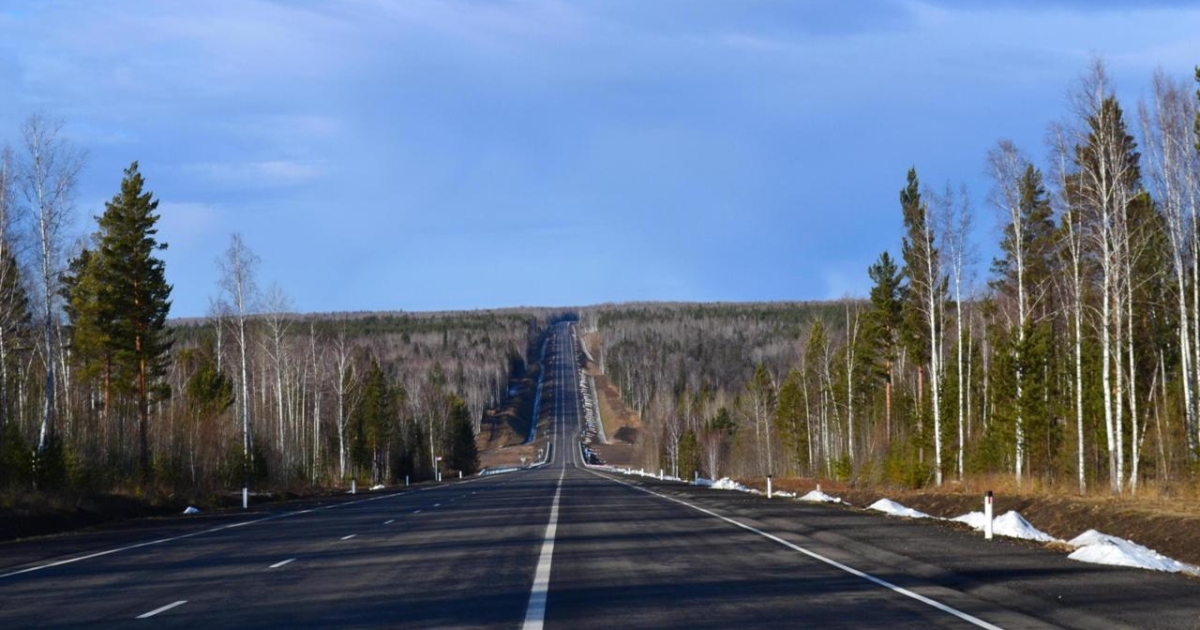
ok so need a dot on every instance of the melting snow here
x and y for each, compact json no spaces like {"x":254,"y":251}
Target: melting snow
{"x":1093,"y":546}
{"x":888,"y":506}
{"x":725,"y":483}
{"x":816,"y":496}
{"x":1010,"y":524}
{"x":377,"y":487}
{"x":191,"y":510}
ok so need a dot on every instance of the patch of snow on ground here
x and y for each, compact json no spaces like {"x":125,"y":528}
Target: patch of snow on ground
{"x":377,"y":487}
{"x":785,"y":494}
{"x":888,"y":506}
{"x":974,"y":520}
{"x":1010,"y":524}
{"x":702,"y":482}
{"x":725,"y":483}
{"x":645,"y":473}
{"x":191,"y":510}
{"x":816,"y":496}
{"x":1093,"y":546}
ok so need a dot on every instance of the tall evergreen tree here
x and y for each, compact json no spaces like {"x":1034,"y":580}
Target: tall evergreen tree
{"x":884,"y":322}
{"x":461,"y":452}
{"x":928,"y":288}
{"x":135,"y":290}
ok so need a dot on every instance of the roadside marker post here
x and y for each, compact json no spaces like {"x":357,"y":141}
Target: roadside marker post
{"x":353,"y":486}
{"x":770,"y":490}
{"x":987,"y":516}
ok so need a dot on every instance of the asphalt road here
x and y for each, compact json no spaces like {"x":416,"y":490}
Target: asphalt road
{"x":566,"y":546}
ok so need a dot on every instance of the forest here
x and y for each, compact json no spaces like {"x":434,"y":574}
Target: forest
{"x":1071,"y":365}
{"x":101,"y":392}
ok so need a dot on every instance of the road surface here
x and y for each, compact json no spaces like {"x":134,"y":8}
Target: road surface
{"x":564,"y":546}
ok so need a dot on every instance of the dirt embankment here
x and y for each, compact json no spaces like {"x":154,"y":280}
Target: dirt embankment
{"x":1171,"y":527}
{"x":622,"y":424}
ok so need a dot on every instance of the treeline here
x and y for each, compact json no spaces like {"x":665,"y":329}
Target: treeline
{"x":99,"y":391}
{"x":1074,"y":364}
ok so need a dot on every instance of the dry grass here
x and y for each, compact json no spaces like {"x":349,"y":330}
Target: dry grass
{"x":1157,"y":517}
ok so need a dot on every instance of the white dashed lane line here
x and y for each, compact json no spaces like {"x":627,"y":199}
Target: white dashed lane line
{"x":349,"y":537}
{"x":162,"y":609}
{"x":281,"y":563}
{"x":389,"y":522}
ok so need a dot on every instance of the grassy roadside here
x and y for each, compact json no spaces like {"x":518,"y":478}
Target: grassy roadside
{"x":1170,"y":526}
{"x":28,"y":514}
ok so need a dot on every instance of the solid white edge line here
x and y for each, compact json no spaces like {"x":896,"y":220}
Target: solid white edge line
{"x":535,"y":612}
{"x":163,"y":609}
{"x":281,"y":563}
{"x":816,"y":556}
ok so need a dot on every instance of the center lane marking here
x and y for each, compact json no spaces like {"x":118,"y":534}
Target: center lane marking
{"x":535,"y":613}
{"x":349,"y":537}
{"x":163,"y":609}
{"x":281,"y":563}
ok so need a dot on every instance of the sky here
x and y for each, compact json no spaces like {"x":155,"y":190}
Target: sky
{"x":444,"y":155}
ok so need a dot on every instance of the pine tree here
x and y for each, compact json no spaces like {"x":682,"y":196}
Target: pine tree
{"x":134,"y":291}
{"x":924,"y":315}
{"x":791,"y":421}
{"x":374,"y":421}
{"x":884,"y":321}
{"x":462,"y":452}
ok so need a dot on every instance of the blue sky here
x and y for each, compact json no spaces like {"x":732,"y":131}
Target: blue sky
{"x":432,"y":155}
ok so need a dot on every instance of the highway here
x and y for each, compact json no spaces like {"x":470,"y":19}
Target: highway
{"x":565,"y":546}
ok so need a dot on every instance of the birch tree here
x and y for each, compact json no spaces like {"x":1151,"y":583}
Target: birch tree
{"x":1018,"y":194}
{"x":1169,"y":144}
{"x":955,"y":217}
{"x":238,"y":270}
{"x":47,"y":179}
{"x":1071,"y":252}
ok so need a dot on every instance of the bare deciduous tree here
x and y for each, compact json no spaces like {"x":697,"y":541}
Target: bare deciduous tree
{"x":47,"y":184}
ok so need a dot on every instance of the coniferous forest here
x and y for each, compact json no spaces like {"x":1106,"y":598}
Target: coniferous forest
{"x":1071,"y":362}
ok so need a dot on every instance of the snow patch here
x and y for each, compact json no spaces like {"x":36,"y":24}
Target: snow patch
{"x":725,"y":483}
{"x":1010,"y":524}
{"x":1095,"y":547}
{"x":191,"y":510}
{"x":377,"y":487}
{"x":816,"y":496}
{"x":974,"y":520}
{"x":785,"y":494}
{"x":888,"y":506}
{"x":702,"y":482}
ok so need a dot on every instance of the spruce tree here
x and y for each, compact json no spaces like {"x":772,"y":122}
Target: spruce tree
{"x":883,"y":326}
{"x":134,"y":291}
{"x":462,"y":452}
